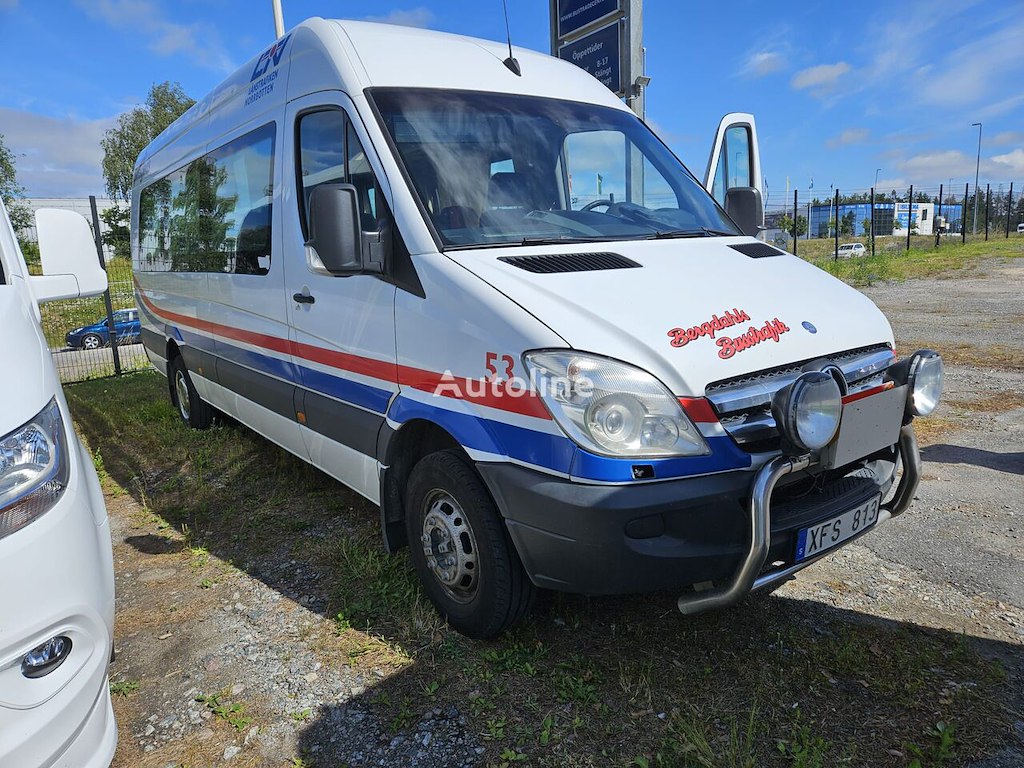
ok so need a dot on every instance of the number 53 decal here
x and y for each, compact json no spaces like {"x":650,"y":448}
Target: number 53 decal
{"x":507,"y":362}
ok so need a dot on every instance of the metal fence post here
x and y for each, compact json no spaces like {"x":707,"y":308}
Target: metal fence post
{"x":872,"y":221}
{"x":988,"y":202}
{"x":795,"y":211}
{"x":963,"y":214}
{"x":112,"y":331}
{"x":1009,"y":209}
{"x":910,"y":214}
{"x":837,"y":224}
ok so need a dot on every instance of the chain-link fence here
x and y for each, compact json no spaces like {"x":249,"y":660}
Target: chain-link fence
{"x":90,"y":338}
{"x":847,"y":223}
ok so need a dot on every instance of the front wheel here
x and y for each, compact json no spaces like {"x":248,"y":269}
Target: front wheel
{"x":92,"y":341}
{"x":463,"y":555}
{"x":192,"y":409}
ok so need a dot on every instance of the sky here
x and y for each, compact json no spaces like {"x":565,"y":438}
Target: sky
{"x":839,"y":90}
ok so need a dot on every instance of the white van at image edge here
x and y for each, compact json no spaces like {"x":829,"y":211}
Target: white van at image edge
{"x":56,"y":562}
{"x":485,"y":296}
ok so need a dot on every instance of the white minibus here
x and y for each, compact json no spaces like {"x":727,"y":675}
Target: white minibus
{"x":484,"y":295}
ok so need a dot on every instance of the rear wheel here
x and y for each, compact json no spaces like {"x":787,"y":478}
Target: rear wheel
{"x":192,"y":409}
{"x":460,"y":547}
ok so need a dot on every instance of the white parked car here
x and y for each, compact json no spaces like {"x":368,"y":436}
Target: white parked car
{"x":56,"y":566}
{"x":483,"y":294}
{"x":1020,"y":229}
{"x":851,"y":249}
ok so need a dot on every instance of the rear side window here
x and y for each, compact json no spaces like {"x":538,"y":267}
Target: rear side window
{"x":213,"y":215}
{"x":329,"y":152}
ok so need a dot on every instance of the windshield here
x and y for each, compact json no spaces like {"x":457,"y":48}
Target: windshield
{"x":499,"y":169}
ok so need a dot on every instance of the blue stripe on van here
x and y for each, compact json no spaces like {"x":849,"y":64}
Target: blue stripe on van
{"x":540,"y":449}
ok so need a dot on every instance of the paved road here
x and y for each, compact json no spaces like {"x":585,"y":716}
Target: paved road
{"x":965,"y":526}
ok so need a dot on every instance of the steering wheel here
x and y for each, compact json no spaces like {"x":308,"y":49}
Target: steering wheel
{"x":607,"y":203}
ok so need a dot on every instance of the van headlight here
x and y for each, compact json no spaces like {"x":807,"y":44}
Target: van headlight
{"x":807,"y":412}
{"x":612,"y":408}
{"x":33,"y":469}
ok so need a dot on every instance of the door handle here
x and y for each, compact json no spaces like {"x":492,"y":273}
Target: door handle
{"x":304,"y":298}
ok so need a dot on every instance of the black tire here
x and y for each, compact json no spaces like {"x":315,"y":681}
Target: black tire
{"x":92,"y":341}
{"x":192,"y":409}
{"x":486,"y":590}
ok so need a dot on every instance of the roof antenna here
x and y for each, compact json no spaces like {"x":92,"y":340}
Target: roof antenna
{"x":510,"y":62}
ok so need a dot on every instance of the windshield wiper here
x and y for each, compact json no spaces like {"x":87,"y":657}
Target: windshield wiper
{"x":669,"y":234}
{"x":554,"y":240}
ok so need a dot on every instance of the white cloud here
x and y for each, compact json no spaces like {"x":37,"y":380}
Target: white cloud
{"x":1011,"y":164}
{"x":847,"y":137}
{"x":55,"y":157}
{"x":415,"y":17}
{"x":199,"y":41}
{"x":976,"y":70}
{"x":761,"y":63}
{"x":1007,"y":137}
{"x":896,"y":183}
{"x":820,"y":80}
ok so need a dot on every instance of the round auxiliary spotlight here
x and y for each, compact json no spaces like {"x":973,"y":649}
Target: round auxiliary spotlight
{"x":807,"y":411}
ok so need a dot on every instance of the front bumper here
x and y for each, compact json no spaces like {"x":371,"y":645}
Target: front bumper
{"x":623,"y":539}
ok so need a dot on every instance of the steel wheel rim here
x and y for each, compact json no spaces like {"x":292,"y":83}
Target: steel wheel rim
{"x":181,"y":391}
{"x":449,"y":546}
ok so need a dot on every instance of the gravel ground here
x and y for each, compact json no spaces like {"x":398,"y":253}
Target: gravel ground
{"x":243,"y":678}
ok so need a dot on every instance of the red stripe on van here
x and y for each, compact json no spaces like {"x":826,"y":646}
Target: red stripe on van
{"x":498,"y":396}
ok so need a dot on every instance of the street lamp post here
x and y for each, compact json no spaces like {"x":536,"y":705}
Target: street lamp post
{"x":876,"y":176}
{"x":977,"y":168}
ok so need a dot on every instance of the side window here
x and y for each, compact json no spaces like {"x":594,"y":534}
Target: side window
{"x":733,"y":163}
{"x":213,"y":215}
{"x":360,"y":175}
{"x":321,"y":155}
{"x":329,"y":152}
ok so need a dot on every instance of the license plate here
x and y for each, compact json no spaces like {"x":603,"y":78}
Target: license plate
{"x":830,"y":533}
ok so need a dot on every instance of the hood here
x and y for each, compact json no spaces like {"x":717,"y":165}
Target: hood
{"x":27,"y":387}
{"x":689,"y":311}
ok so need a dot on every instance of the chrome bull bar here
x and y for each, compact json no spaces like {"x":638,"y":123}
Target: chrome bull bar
{"x":748,"y":576}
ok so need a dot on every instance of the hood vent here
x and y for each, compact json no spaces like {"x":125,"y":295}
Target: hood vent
{"x":570,"y":262}
{"x":757,"y":250}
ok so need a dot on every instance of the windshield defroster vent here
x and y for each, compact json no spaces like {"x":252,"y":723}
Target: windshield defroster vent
{"x":757,"y":250}
{"x":570,"y":262}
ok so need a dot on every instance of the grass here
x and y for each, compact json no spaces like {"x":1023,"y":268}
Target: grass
{"x":585,"y":681}
{"x":893,"y":262}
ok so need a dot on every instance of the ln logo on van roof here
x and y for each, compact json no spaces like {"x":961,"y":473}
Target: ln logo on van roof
{"x":270,"y":58}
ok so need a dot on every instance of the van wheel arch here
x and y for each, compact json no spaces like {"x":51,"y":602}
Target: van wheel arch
{"x":402,"y":451}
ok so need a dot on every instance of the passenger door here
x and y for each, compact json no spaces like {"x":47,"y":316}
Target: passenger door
{"x":735,"y":159}
{"x":342,"y":328}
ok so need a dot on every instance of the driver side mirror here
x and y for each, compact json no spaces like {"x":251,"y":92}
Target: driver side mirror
{"x":744,"y":206}
{"x":335,"y":232}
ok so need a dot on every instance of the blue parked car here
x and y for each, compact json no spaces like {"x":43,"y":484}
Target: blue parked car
{"x":126,"y":330}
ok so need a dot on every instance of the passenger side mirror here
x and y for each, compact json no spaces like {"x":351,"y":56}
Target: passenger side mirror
{"x":71,"y":266}
{"x":744,"y":206}
{"x":335,"y":231}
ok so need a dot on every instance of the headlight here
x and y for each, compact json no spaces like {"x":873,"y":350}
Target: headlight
{"x":33,"y":469}
{"x":612,"y":408}
{"x":807,"y":411}
{"x":924,"y":379}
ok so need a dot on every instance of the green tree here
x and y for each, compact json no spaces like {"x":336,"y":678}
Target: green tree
{"x":134,"y":130}
{"x":846,"y":224}
{"x":198,"y":229}
{"x":786,"y":224}
{"x":11,"y":190}
{"x":118,"y":234}
{"x":866,"y":226}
